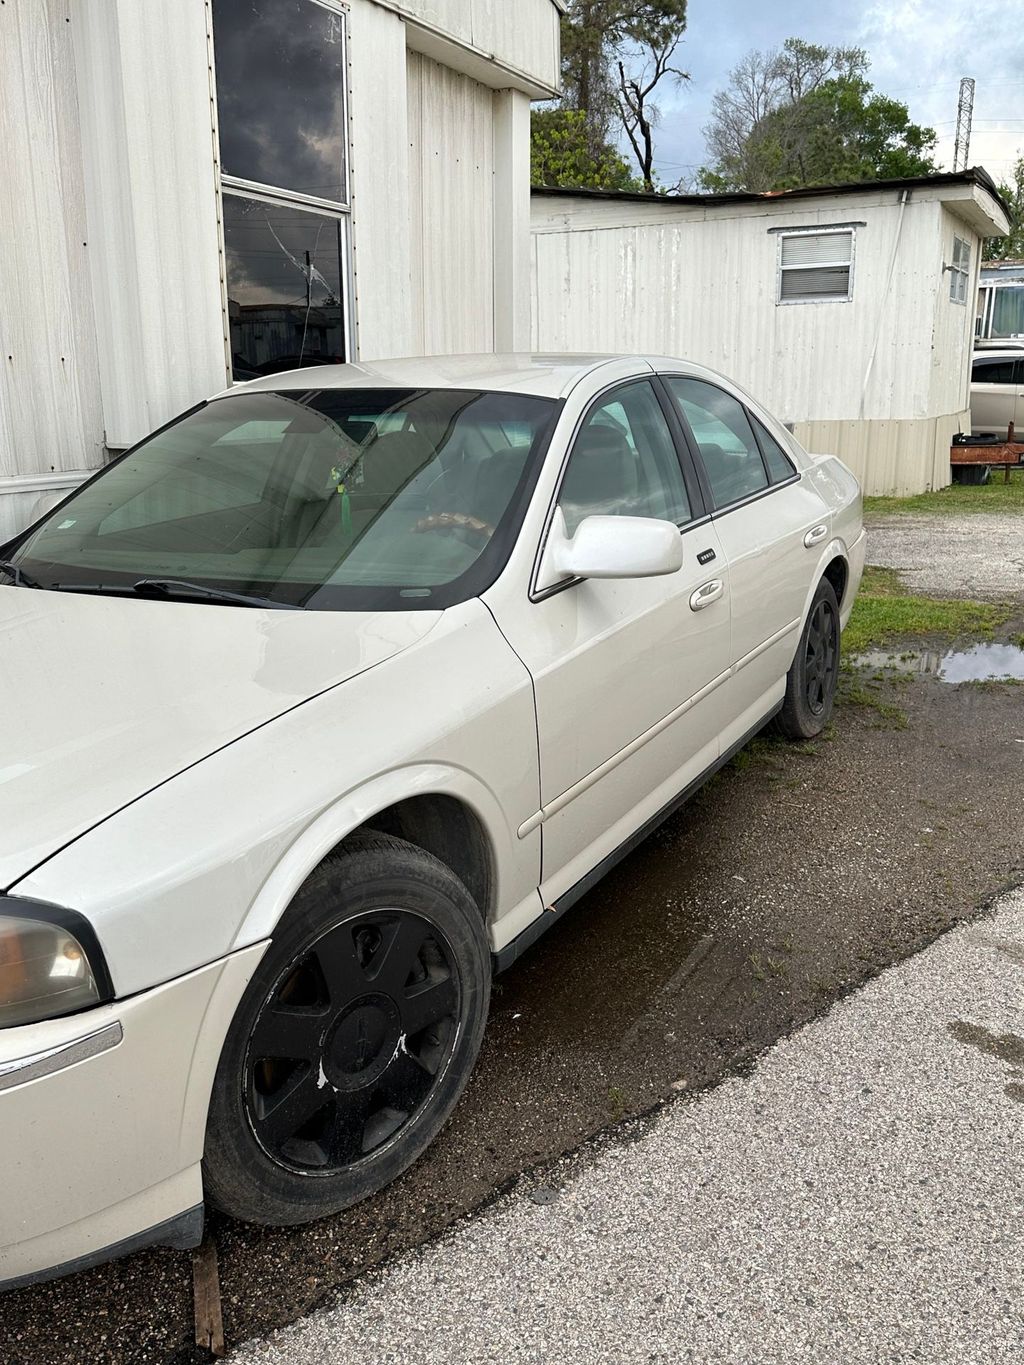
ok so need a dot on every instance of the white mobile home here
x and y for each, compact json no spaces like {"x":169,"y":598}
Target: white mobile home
{"x":848,"y":310}
{"x":207,"y":188}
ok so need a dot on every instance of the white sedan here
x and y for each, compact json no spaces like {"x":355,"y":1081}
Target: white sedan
{"x":320,"y":706}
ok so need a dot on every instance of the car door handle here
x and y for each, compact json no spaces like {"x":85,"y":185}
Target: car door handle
{"x":706,"y":594}
{"x":816,"y":534}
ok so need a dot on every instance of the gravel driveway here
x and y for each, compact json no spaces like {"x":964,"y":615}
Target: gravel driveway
{"x":943,"y":554}
{"x":857,"y":1199}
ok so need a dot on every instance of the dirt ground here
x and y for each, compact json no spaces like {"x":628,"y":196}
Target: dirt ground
{"x":792,"y":877}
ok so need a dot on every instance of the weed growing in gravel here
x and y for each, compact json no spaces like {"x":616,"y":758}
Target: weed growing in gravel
{"x":991,"y":684}
{"x":758,"y":751}
{"x":616,"y":1103}
{"x":853,"y":691}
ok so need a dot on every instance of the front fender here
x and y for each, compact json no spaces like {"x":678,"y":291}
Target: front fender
{"x":359,"y":806}
{"x":205,"y":863}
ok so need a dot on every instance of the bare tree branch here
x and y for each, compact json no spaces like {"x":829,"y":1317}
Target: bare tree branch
{"x":638,"y":113}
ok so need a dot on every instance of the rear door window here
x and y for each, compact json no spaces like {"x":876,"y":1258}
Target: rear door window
{"x":724,"y":437}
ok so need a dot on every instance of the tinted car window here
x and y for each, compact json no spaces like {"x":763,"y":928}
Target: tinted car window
{"x":331,"y":498}
{"x":995,"y":371}
{"x":778,"y":462}
{"x":724,"y":438}
{"x":624,"y":462}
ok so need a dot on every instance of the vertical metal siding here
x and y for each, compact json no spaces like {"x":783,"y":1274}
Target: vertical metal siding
{"x":953,"y":323}
{"x":522,"y":34}
{"x":49,"y":395}
{"x":451,"y":193}
{"x":701,"y":282}
{"x":151,"y":192}
{"x":379,"y":131}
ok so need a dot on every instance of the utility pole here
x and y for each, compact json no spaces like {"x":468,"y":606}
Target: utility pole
{"x":964,"y":111}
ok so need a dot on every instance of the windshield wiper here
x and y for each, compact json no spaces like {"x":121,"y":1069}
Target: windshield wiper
{"x":175,"y":590}
{"x":21,"y":578}
{"x":179,"y":588}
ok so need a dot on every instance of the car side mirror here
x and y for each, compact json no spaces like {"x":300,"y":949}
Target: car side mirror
{"x":611,"y":547}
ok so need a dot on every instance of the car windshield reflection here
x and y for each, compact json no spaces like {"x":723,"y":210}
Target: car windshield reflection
{"x":334,"y":498}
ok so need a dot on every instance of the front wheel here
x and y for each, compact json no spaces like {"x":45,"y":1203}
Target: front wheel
{"x":354,"y":1039}
{"x":811,"y":681}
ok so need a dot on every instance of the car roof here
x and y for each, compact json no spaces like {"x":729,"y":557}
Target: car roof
{"x":546,"y":376}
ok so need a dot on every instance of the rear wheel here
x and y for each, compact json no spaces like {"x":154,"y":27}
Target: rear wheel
{"x":811,"y":681}
{"x":354,"y":1039}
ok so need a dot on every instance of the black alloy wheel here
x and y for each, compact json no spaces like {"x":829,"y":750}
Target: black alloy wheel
{"x":811,"y":681}
{"x":821,"y":655}
{"x":354,"y":1038}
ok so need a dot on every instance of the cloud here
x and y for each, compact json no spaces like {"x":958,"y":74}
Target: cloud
{"x":918,"y":53}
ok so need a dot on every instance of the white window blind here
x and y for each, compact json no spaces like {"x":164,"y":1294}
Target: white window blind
{"x":814,"y":266}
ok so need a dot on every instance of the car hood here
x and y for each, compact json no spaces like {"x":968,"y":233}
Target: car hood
{"x":103,"y":698}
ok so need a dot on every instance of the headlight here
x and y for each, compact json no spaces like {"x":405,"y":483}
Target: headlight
{"x":50,"y":963}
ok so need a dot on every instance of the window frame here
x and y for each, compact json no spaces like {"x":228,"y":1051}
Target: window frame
{"x":692,"y":477}
{"x":826,"y":230}
{"x":242,"y":188}
{"x":756,"y":421}
{"x":750,"y":412}
{"x":960,"y":272}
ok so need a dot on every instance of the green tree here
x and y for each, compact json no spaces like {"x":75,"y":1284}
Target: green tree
{"x":563,"y":153}
{"x":808,"y":115}
{"x":1010,"y":247}
{"x":614,"y":55}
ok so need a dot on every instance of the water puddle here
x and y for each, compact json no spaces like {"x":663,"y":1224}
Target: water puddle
{"x":980,"y":663}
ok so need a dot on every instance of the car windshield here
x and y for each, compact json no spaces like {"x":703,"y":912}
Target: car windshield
{"x":330,"y":498}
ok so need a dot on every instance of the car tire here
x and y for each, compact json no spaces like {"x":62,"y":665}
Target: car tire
{"x":354,"y":1039}
{"x":811,"y":681}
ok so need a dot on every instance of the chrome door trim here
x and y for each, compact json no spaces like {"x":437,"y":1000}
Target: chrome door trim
{"x":20,"y":1070}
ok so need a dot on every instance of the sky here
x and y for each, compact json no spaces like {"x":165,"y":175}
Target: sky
{"x":919,"y":49}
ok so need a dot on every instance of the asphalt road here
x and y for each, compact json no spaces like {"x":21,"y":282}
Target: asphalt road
{"x":859,"y":1198}
{"x":793,"y":877}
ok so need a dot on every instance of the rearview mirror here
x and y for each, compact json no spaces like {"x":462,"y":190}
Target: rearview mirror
{"x":611,"y":547}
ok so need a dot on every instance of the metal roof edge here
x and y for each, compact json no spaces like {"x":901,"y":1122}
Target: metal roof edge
{"x":975,"y":175}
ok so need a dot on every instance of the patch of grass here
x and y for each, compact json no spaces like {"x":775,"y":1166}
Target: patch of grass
{"x":991,"y":684}
{"x":853,"y":692}
{"x":886,"y":614}
{"x":755,"y":753}
{"x":994,"y":496}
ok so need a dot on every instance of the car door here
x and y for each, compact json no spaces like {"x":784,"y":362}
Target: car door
{"x":772,"y":525}
{"x":995,"y":389}
{"x":626,"y":671}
